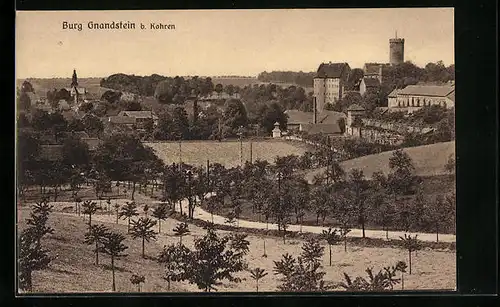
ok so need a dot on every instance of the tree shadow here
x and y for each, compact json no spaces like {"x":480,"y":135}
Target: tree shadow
{"x":107,"y":267}
{"x":62,"y":271}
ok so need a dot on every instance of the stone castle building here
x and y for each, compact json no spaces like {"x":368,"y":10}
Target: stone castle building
{"x":329,"y":83}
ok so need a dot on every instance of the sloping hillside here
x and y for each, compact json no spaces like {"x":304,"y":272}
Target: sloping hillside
{"x":429,"y":160}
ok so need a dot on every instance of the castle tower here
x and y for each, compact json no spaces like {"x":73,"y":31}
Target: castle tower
{"x":396,"y":50}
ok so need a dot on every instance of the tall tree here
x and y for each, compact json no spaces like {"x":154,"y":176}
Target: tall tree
{"x":173,"y":257}
{"x":114,"y":247}
{"x":96,"y":235}
{"x":303,"y":273}
{"x":181,"y":230}
{"x":89,"y":208}
{"x":402,"y":178}
{"x":257,"y":274}
{"x":143,"y":229}
{"x":161,"y":213}
{"x":235,"y":116}
{"x":411,"y":244}
{"x":213,"y":259}
{"x":332,"y":238}
{"x":31,"y":257}
{"x":359,"y":186}
{"x":128,"y":211}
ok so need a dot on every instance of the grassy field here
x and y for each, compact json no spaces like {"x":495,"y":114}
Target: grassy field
{"x":429,"y":160}
{"x":74,"y":271}
{"x":226,"y":153}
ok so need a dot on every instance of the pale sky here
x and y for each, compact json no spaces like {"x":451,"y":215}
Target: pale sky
{"x":227,"y":42}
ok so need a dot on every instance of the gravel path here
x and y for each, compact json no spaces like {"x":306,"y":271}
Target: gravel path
{"x":201,"y":214}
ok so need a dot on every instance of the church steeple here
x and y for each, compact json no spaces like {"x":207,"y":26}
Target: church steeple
{"x":74,"y":80}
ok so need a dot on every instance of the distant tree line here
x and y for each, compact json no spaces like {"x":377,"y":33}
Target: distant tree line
{"x":300,"y":78}
{"x":165,"y":89}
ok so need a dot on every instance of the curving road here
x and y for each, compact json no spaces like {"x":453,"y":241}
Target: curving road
{"x":201,"y":214}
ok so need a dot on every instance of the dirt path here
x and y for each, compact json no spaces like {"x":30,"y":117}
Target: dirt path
{"x":201,"y":214}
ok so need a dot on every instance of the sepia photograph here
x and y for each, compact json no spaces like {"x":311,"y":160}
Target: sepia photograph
{"x":257,"y":151}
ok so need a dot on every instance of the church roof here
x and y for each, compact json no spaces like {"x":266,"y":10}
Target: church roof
{"x":332,"y":70}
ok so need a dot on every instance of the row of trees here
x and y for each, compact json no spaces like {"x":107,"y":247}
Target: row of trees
{"x":348,"y":200}
{"x":270,"y":190}
{"x":165,"y":89}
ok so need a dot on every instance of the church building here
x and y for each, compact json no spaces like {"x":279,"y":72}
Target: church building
{"x":78,"y":94}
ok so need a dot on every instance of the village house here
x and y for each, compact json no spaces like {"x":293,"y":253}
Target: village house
{"x":368,"y":84}
{"x":140,"y":116}
{"x":414,"y":97}
{"x":325,"y":122}
{"x":219,"y":96}
{"x":329,"y":83}
{"x":354,"y":122}
{"x":126,"y":121}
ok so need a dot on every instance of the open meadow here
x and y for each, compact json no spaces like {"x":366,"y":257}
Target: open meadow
{"x":429,"y":160}
{"x":226,"y":153}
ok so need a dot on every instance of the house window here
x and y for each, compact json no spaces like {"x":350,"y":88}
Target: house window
{"x":444,"y":104}
{"x":399,"y":104}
